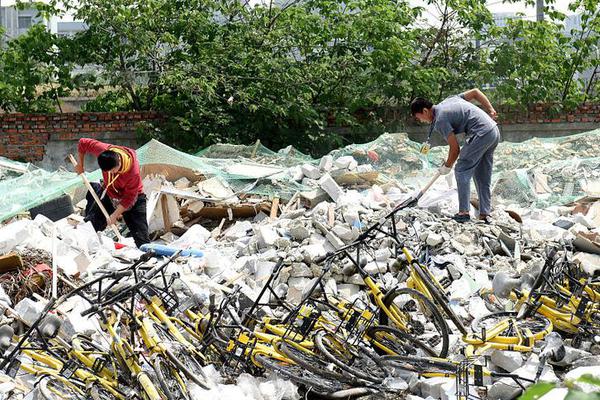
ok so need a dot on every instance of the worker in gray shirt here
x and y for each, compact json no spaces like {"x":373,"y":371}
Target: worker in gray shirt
{"x":456,"y":115}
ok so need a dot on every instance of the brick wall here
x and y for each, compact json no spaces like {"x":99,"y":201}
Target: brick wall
{"x":25,"y":136}
{"x":516,"y":124}
{"x":543,"y":114}
{"x":538,"y":114}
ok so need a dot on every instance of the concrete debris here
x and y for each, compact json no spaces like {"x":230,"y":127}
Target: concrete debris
{"x":242,"y":236}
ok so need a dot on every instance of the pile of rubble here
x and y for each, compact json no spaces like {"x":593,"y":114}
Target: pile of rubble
{"x":242,"y":234}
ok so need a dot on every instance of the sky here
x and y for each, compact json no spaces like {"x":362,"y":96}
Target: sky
{"x":495,"y":6}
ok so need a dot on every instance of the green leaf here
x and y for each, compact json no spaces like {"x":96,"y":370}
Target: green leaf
{"x":577,"y":395}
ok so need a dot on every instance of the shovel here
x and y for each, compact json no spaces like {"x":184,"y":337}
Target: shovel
{"x":412,"y":201}
{"x":96,"y":199}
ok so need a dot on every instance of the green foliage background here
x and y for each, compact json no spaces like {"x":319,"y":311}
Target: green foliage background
{"x":285,"y":71}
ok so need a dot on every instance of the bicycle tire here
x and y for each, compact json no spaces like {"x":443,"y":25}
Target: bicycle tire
{"x":439,"y":299}
{"x":388,"y":338}
{"x":299,"y":375}
{"x":421,"y":365}
{"x":348,"y":359}
{"x":311,"y":362}
{"x":52,"y":388}
{"x":99,"y":392}
{"x":168,"y":380}
{"x":182,"y":359}
{"x":537,"y":324}
{"x":427,"y":308}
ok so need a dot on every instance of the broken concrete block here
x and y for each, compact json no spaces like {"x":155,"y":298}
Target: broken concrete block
{"x":346,"y":162}
{"x":296,"y":173}
{"x":195,"y":206}
{"x":383,"y":254}
{"x":355,"y":279}
{"x":507,"y":388}
{"x":351,"y":217}
{"x":434,"y":239}
{"x":182,"y":183}
{"x":13,"y":234}
{"x":571,"y":355}
{"x":314,"y":197}
{"x":590,"y":263}
{"x":299,"y":232}
{"x":433,"y":386}
{"x":331,"y":187}
{"x":326,"y":163}
{"x":376,"y":267}
{"x":301,"y":270}
{"x":195,"y":237}
{"x":507,"y":360}
{"x":310,"y":171}
{"x":348,"y":291}
{"x":335,"y":241}
{"x":576,"y":373}
{"x":344,"y":233}
{"x":238,"y":230}
{"x":297,"y":288}
{"x":264,"y":269}
{"x":312,"y":252}
{"x":584,"y":220}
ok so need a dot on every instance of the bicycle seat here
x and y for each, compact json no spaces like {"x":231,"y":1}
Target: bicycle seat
{"x":6,"y":334}
{"x":50,"y":325}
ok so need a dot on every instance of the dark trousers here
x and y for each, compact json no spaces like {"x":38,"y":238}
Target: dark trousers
{"x":135,"y":217}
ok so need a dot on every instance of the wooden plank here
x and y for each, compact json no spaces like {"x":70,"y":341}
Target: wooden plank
{"x":355,"y":178}
{"x":330,"y":215}
{"x":290,"y":204}
{"x":10,"y":262}
{"x":274,"y":208}
{"x":238,"y":211}
{"x":165,"y":212}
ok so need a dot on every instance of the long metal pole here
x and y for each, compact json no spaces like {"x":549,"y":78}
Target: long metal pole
{"x":539,"y":10}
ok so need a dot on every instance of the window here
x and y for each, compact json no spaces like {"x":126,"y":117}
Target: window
{"x":25,"y":22}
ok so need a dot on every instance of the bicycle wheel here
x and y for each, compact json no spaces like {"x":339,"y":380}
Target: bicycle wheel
{"x":312,"y":362}
{"x":387,"y":340}
{"x":183,"y":360}
{"x":299,"y":375}
{"x":356,"y":360}
{"x":440,"y":299}
{"x":88,"y":351}
{"x":170,"y":380}
{"x":55,"y":388}
{"x":417,"y":309}
{"x":538,"y":325}
{"x":99,"y":392}
{"x":421,"y":365}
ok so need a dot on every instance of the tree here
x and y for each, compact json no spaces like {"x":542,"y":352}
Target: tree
{"x":34,"y":72}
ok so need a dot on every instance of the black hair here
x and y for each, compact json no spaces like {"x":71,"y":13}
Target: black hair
{"x":418,"y":104}
{"x":107,"y":160}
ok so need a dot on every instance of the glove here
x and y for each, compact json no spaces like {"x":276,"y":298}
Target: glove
{"x":443,"y":170}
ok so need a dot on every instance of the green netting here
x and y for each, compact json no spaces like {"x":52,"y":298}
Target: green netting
{"x":266,"y":178}
{"x":537,"y":172}
{"x":34,"y":187}
{"x":287,"y":156}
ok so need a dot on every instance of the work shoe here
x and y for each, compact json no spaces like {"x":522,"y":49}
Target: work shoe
{"x":485,"y":219}
{"x":460,"y":218}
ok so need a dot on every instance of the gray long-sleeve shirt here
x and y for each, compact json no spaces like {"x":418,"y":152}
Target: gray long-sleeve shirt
{"x":457,"y":115}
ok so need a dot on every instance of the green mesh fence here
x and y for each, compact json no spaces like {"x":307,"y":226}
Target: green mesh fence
{"x":538,"y":172}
